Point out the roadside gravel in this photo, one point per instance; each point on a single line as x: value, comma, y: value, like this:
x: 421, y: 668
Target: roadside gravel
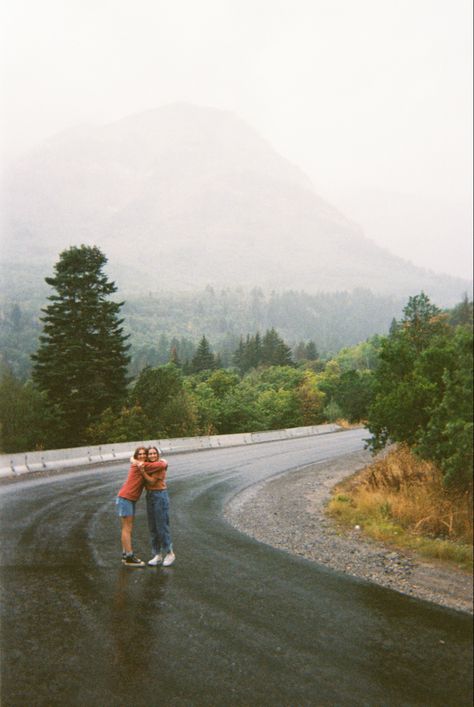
x: 288, y: 512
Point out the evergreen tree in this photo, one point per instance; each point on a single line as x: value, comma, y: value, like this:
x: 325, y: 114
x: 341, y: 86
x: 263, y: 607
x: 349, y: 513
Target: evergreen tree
x: 82, y: 359
x: 300, y: 351
x: 274, y: 350
x: 203, y: 359
x: 447, y: 439
x: 269, y: 351
x: 306, y: 352
x: 402, y: 395
x: 239, y: 357
x: 421, y: 321
x: 462, y: 313
x: 254, y: 354
x: 174, y: 358
x: 311, y: 351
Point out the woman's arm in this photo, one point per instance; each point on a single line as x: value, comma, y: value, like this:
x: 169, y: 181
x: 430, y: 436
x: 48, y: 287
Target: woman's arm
x: 136, y: 462
x: 156, y: 467
x: 148, y: 478
x: 153, y: 471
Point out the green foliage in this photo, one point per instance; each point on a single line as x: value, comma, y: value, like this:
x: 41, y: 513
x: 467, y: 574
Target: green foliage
x: 164, y: 320
x: 130, y: 423
x: 161, y: 395
x: 310, y: 352
x: 447, y: 438
x: 81, y: 361
x: 270, y: 350
x: 238, y: 412
x: 19, y: 329
x: 347, y: 382
x: 222, y: 382
x: 413, y: 385
x: 277, y: 409
x: 362, y: 357
x: 249, y: 353
x: 266, y: 398
x: 331, y: 320
x: 354, y: 394
x: 332, y: 411
x: 163, y: 351
x: 401, y: 395
x: 274, y: 350
x: 154, y: 388
x: 311, y: 399
x: 159, y: 407
x: 26, y: 422
x: 462, y: 313
x: 423, y: 390
x: 203, y: 359
x: 208, y: 409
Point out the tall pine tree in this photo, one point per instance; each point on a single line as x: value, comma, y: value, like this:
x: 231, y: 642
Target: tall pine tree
x: 203, y: 359
x: 274, y: 350
x: 82, y: 359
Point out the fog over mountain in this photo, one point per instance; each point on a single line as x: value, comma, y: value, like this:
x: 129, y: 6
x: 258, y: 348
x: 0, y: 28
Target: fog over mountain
x: 185, y: 196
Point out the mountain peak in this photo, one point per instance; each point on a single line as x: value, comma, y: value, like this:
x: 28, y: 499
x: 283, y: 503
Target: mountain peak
x: 199, y: 192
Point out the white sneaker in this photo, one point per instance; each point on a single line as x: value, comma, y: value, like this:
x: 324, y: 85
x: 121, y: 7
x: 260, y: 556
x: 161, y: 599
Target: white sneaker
x: 169, y: 559
x: 157, y: 560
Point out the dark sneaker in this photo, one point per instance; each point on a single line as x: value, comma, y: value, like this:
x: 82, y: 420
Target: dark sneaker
x: 132, y: 561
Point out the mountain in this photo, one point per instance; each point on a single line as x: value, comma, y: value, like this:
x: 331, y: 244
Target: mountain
x: 185, y: 196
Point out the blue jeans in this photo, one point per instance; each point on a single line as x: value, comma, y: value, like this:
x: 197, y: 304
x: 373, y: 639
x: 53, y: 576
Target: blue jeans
x: 157, y: 508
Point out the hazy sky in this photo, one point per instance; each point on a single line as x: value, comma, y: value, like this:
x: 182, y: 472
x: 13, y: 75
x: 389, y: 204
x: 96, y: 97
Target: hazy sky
x: 367, y: 96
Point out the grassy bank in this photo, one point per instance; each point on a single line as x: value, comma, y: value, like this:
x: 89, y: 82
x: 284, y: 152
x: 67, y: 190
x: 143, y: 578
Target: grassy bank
x: 400, y: 500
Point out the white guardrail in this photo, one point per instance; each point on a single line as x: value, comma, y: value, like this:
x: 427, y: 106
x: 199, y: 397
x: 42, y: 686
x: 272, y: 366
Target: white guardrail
x: 59, y: 459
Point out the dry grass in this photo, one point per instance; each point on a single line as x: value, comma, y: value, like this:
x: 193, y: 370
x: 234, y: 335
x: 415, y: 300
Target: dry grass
x: 346, y: 425
x: 401, y: 500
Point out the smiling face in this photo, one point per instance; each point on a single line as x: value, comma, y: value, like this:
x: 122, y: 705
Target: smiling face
x: 140, y: 454
x: 153, y: 454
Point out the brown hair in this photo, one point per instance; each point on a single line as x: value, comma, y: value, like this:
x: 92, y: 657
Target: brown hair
x: 138, y: 449
x: 156, y: 450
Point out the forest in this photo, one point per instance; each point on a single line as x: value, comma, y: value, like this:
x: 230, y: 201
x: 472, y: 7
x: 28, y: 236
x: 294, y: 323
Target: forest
x: 90, y: 369
x: 164, y: 321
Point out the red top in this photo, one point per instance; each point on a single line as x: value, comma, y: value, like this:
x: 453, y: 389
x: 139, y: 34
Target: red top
x: 158, y: 471
x: 133, y: 486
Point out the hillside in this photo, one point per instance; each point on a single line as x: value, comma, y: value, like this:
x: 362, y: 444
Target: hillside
x: 182, y: 197
x: 331, y: 320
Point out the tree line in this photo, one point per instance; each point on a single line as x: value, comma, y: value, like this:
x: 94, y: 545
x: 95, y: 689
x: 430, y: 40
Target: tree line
x: 164, y: 321
x: 412, y: 385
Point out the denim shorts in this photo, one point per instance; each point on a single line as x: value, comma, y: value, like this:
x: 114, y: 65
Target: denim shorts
x: 125, y: 507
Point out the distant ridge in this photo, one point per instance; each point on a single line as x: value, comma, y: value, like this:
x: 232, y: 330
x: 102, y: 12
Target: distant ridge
x: 185, y: 196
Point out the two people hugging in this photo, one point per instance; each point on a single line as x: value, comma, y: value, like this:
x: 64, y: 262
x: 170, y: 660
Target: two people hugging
x: 148, y: 471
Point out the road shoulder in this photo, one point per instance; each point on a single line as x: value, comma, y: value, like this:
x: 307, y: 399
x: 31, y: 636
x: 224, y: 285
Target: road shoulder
x: 287, y: 512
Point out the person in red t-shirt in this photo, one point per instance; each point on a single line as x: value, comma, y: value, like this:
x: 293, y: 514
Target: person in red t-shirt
x: 126, y: 500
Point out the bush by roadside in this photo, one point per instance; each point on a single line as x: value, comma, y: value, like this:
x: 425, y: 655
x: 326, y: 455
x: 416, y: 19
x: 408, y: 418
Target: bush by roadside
x: 401, y: 500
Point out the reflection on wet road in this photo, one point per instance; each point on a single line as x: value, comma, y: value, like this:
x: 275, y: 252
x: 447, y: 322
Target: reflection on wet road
x: 233, y: 622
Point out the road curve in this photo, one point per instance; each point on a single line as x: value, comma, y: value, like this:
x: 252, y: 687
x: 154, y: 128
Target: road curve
x: 233, y: 622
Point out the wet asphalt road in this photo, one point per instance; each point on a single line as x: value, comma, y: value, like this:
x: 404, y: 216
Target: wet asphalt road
x: 233, y: 622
